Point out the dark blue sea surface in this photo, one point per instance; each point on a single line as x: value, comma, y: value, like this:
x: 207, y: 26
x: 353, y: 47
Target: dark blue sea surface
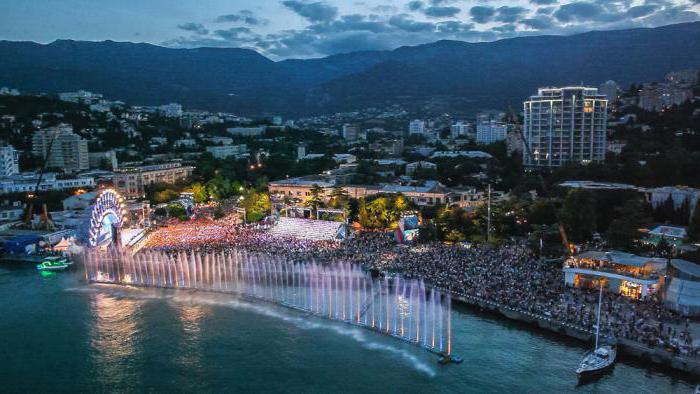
x: 59, y: 334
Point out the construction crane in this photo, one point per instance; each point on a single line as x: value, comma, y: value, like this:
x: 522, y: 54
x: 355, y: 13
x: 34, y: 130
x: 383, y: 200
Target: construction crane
x: 29, y: 213
x: 514, y: 119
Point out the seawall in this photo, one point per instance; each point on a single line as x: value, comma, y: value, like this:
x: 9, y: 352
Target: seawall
x: 628, y: 347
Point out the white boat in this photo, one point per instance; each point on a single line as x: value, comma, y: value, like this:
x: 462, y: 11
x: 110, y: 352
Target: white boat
x: 601, y: 358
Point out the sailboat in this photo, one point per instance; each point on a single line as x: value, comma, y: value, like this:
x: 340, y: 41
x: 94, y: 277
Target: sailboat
x: 601, y: 358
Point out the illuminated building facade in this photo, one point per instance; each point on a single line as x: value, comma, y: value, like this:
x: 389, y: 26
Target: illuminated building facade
x: 619, y: 272
x: 565, y: 124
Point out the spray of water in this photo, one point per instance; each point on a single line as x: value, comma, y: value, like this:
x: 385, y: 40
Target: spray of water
x: 394, y: 306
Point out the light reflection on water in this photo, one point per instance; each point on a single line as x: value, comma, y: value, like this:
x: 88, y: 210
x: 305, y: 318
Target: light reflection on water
x: 191, y: 317
x: 113, y: 336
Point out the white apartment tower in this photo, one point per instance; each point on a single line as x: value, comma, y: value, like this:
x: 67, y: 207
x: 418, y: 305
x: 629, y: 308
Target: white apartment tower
x: 68, y: 150
x: 9, y: 161
x: 565, y: 124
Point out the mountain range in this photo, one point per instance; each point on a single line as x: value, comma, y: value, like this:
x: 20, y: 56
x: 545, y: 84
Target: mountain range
x: 445, y: 76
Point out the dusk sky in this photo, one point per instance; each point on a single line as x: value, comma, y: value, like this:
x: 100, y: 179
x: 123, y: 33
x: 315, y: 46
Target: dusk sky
x: 303, y: 29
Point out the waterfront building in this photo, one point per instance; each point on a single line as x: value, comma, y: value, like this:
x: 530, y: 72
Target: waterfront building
x: 416, y: 127
x: 565, y: 124
x: 682, y: 294
x: 619, y: 272
x: 9, y: 161
x: 131, y: 181
x: 61, y: 148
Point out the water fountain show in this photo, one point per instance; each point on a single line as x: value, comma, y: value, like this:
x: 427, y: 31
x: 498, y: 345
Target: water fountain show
x: 402, y: 308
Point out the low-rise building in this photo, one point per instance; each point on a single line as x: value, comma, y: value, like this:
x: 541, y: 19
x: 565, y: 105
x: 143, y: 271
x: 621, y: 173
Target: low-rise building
x: 416, y: 165
x: 472, y: 154
x: 246, y: 131
x: 185, y: 143
x: 226, y: 151
x: 490, y: 132
x: 619, y: 272
x: 131, y: 181
x: 682, y: 293
x: 27, y: 183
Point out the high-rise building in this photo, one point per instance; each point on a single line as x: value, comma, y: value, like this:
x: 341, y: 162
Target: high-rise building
x: 61, y: 148
x: 565, y: 124
x: 416, y: 127
x: 351, y: 132
x: 9, y: 161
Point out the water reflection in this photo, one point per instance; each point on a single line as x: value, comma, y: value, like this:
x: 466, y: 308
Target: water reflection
x: 191, y: 317
x: 113, y: 337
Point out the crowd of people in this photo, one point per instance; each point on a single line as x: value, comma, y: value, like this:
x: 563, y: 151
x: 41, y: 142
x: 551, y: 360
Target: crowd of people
x: 509, y: 275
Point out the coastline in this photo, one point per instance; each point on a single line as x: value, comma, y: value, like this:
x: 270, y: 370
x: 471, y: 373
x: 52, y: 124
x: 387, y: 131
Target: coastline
x: 626, y: 346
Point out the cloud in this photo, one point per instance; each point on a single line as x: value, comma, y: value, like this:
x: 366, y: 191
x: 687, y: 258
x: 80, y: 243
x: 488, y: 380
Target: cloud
x: 414, y: 5
x: 482, y: 14
x: 245, y: 16
x: 509, y: 14
x: 441, y: 12
x: 539, y: 22
x: 404, y: 22
x: 387, y: 25
x: 641, y: 10
x: 578, y: 11
x: 314, y: 12
x: 196, y: 28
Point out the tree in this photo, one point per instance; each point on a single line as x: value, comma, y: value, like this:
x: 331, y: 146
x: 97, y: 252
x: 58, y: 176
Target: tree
x: 257, y: 205
x: 578, y: 215
x: 199, y: 192
x: 316, y: 198
x: 624, y: 230
x: 338, y: 198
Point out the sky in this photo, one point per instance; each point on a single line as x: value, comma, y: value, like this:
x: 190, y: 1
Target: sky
x: 283, y: 29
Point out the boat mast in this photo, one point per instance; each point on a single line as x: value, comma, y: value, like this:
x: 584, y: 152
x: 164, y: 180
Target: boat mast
x: 597, y: 324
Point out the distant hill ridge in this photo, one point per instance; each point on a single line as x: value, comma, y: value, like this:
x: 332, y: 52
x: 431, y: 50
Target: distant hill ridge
x: 454, y: 76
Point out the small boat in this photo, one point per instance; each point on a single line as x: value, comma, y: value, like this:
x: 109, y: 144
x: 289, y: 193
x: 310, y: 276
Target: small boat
x: 601, y: 358
x: 60, y: 259
x: 54, y: 263
x: 597, y: 361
